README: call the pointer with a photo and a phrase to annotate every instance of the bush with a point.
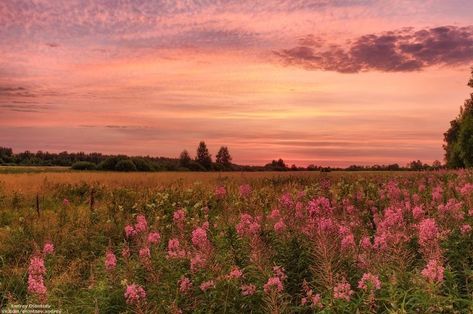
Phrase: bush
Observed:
(84, 165)
(143, 164)
(126, 165)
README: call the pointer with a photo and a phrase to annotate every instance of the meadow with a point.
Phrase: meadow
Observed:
(303, 242)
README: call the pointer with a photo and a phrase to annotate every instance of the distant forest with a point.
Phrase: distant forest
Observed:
(201, 162)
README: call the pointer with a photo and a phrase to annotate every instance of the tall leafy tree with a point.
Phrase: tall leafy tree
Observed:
(223, 157)
(184, 159)
(203, 156)
(459, 137)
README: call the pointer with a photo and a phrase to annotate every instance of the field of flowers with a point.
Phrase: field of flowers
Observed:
(289, 243)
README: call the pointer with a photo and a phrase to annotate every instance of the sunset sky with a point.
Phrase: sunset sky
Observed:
(324, 82)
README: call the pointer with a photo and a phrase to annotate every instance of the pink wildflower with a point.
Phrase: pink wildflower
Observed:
(279, 272)
(248, 226)
(110, 260)
(273, 283)
(37, 266)
(174, 249)
(141, 224)
(207, 285)
(417, 212)
(65, 202)
(428, 231)
(185, 284)
(433, 272)
(198, 261)
(310, 297)
(134, 294)
(369, 281)
(145, 254)
(248, 290)
(365, 243)
(220, 192)
(154, 237)
(48, 248)
(280, 226)
(343, 291)
(129, 231)
(199, 238)
(245, 190)
(348, 242)
(235, 273)
(36, 285)
(465, 229)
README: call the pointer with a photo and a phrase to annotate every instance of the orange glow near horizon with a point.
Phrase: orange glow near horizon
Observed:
(307, 81)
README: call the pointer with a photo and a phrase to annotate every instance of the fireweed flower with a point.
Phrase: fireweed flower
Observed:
(199, 238)
(286, 200)
(465, 229)
(235, 273)
(220, 192)
(48, 248)
(36, 272)
(348, 242)
(417, 212)
(273, 283)
(145, 253)
(207, 285)
(198, 261)
(248, 226)
(141, 224)
(110, 260)
(280, 226)
(179, 217)
(433, 272)
(65, 202)
(312, 299)
(275, 214)
(129, 231)
(247, 290)
(245, 190)
(343, 291)
(185, 284)
(154, 237)
(319, 206)
(134, 294)
(174, 249)
(369, 281)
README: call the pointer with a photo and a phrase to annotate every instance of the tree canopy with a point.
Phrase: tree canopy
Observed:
(459, 137)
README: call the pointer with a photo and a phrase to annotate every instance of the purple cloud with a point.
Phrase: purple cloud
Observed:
(395, 51)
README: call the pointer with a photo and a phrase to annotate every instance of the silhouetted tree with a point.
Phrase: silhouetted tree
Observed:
(276, 165)
(223, 157)
(203, 156)
(459, 137)
(184, 159)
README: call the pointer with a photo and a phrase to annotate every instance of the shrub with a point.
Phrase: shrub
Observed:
(84, 165)
(125, 165)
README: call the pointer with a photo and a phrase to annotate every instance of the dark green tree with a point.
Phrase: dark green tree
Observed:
(459, 137)
(203, 156)
(224, 158)
(184, 159)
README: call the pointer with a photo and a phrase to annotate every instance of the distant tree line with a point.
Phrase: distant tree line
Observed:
(202, 161)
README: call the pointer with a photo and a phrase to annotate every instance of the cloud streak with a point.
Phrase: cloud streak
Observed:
(403, 50)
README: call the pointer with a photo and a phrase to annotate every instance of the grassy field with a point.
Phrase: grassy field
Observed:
(302, 242)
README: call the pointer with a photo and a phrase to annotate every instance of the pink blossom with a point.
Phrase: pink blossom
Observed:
(310, 297)
(129, 231)
(275, 214)
(437, 194)
(273, 283)
(174, 250)
(199, 238)
(279, 272)
(36, 285)
(65, 202)
(37, 266)
(198, 261)
(185, 284)
(134, 294)
(248, 226)
(286, 200)
(343, 291)
(48, 248)
(433, 272)
(428, 231)
(145, 254)
(207, 285)
(280, 226)
(369, 281)
(154, 237)
(465, 229)
(417, 212)
(365, 243)
(247, 290)
(245, 190)
(220, 192)
(110, 260)
(466, 190)
(348, 242)
(319, 206)
(141, 224)
(235, 273)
